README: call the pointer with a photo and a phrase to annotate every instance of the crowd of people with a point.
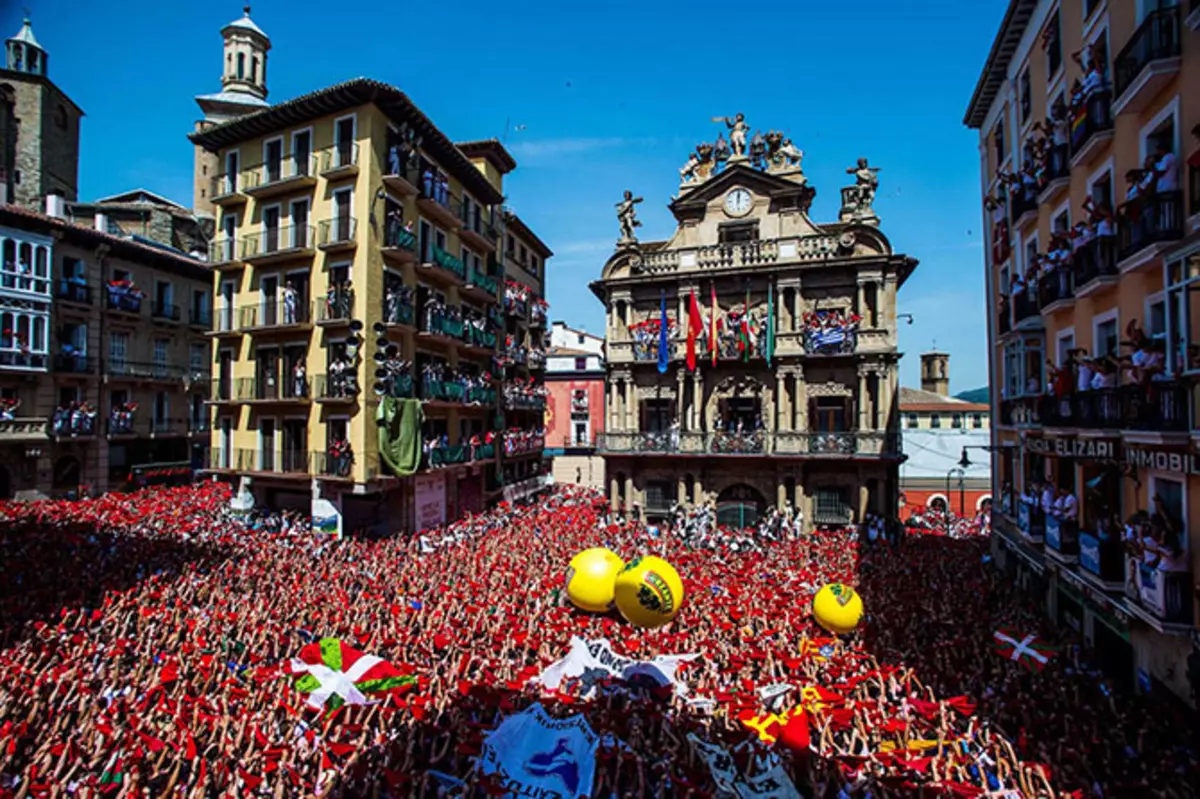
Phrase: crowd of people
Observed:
(830, 331)
(524, 394)
(145, 638)
(519, 441)
(74, 419)
(440, 381)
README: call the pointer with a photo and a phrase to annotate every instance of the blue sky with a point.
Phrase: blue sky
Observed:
(612, 95)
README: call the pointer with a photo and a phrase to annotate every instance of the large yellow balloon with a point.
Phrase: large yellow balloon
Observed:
(649, 592)
(590, 579)
(838, 608)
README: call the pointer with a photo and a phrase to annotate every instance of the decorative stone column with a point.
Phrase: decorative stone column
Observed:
(800, 409)
(614, 493)
(780, 408)
(682, 409)
(862, 398)
(697, 408)
(681, 490)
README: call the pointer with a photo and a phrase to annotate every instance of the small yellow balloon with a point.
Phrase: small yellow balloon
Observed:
(590, 578)
(838, 608)
(649, 592)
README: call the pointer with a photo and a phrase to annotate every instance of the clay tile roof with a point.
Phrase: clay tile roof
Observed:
(492, 150)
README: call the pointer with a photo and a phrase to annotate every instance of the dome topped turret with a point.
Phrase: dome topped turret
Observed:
(23, 53)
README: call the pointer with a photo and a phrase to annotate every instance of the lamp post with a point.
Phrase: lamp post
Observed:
(961, 488)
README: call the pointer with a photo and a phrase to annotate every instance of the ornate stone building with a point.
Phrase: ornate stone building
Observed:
(792, 401)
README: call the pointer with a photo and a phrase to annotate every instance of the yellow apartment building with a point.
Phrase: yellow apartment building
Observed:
(358, 264)
(1087, 113)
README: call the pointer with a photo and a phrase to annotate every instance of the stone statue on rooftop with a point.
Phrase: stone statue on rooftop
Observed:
(627, 217)
(791, 154)
(738, 129)
(687, 172)
(857, 199)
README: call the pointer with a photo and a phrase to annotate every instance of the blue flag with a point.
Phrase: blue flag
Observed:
(664, 356)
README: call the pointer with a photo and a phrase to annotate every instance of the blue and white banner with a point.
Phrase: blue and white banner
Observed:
(537, 755)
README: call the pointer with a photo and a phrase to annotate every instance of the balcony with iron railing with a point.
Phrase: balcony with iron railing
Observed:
(399, 244)
(438, 324)
(21, 358)
(72, 292)
(267, 389)
(286, 174)
(275, 315)
(200, 317)
(274, 244)
(524, 402)
(754, 443)
(337, 464)
(337, 234)
(437, 203)
(291, 462)
(226, 189)
(1094, 265)
(1026, 312)
(1022, 209)
(124, 426)
(447, 455)
(121, 298)
(479, 338)
(221, 390)
(338, 307)
(166, 427)
(1056, 289)
(1156, 219)
(199, 425)
(336, 388)
(481, 284)
(443, 391)
(399, 386)
(1057, 176)
(74, 364)
(475, 229)
(225, 254)
(225, 323)
(398, 311)
(339, 161)
(1092, 128)
(1148, 61)
(73, 422)
(443, 266)
(1159, 597)
(163, 372)
(165, 312)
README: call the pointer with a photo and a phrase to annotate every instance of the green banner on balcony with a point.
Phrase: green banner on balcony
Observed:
(399, 425)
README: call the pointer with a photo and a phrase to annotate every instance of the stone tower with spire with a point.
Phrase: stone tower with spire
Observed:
(39, 127)
(243, 91)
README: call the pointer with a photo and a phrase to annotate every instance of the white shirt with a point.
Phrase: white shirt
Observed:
(1083, 380)
(1092, 82)
(1069, 507)
(1047, 499)
(1168, 178)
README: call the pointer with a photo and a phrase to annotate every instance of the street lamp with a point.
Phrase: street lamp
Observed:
(961, 493)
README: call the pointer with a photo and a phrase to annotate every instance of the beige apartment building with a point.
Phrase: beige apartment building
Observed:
(1087, 113)
(792, 398)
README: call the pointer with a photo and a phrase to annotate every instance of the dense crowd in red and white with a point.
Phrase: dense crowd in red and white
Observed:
(144, 643)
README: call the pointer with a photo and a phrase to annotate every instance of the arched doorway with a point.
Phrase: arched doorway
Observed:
(740, 506)
(66, 473)
(937, 502)
(6, 486)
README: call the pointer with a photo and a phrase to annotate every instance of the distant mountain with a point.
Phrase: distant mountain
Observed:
(974, 395)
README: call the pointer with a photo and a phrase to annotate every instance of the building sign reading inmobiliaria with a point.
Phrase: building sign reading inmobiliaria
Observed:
(1090, 449)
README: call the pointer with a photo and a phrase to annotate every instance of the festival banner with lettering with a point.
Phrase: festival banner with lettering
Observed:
(534, 754)
(590, 662)
(770, 781)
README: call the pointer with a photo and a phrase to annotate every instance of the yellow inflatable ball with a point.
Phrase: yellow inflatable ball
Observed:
(590, 579)
(838, 608)
(649, 592)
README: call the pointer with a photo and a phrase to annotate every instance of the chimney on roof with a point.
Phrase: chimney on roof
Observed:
(101, 221)
(935, 373)
(56, 205)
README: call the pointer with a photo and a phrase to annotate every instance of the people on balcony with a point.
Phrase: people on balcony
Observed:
(516, 296)
(646, 336)
(830, 331)
(339, 300)
(437, 313)
(120, 418)
(291, 303)
(74, 419)
(397, 297)
(299, 379)
(8, 408)
(518, 441)
(394, 369)
(436, 373)
(341, 458)
(524, 394)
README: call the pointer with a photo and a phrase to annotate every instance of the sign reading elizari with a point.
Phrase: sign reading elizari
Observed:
(1157, 460)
